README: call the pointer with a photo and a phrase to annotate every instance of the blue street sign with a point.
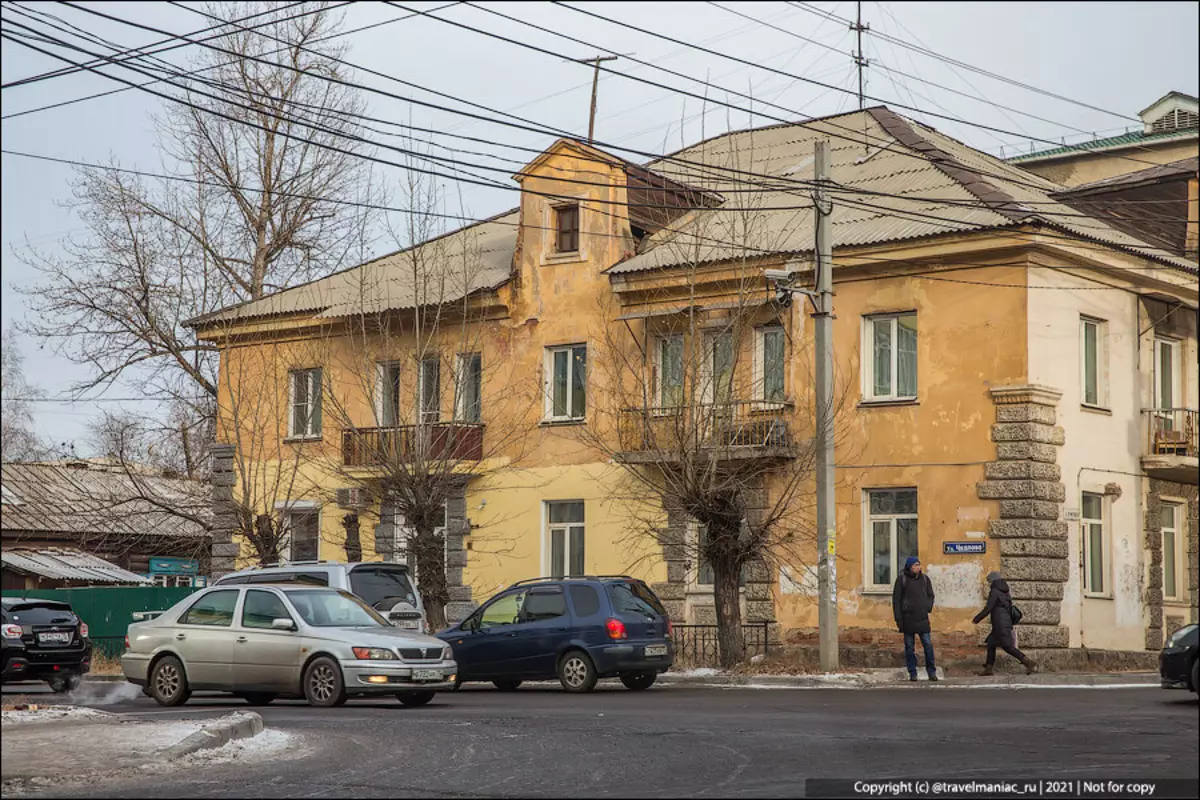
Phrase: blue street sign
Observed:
(963, 548)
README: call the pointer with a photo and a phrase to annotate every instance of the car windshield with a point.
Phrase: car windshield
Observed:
(382, 587)
(326, 609)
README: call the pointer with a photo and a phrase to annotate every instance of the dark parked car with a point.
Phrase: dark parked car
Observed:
(43, 640)
(575, 629)
(1177, 662)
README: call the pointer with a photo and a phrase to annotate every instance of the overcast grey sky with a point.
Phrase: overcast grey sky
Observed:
(1116, 56)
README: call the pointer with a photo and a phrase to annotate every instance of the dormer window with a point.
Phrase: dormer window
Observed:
(1175, 119)
(566, 227)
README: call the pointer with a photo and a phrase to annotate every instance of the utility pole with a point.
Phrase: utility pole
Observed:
(859, 59)
(826, 505)
(595, 85)
(822, 301)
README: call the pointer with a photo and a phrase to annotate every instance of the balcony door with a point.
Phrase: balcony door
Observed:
(1166, 383)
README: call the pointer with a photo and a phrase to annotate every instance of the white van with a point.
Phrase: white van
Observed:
(386, 587)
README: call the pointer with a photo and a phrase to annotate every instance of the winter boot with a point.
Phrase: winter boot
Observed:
(1030, 666)
(987, 670)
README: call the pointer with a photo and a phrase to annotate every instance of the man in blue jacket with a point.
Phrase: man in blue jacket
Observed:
(912, 600)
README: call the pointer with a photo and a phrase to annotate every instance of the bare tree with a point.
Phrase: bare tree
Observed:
(421, 377)
(258, 210)
(175, 446)
(18, 440)
(709, 410)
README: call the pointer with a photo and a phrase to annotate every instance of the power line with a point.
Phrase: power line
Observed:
(493, 184)
(719, 54)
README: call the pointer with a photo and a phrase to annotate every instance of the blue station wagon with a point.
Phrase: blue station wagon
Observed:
(578, 630)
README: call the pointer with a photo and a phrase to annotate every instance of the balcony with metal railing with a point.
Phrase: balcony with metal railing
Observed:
(374, 447)
(733, 430)
(1172, 444)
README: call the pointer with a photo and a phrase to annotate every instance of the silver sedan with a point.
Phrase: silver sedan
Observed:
(291, 640)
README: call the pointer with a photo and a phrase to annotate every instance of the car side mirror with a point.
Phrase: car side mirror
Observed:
(283, 624)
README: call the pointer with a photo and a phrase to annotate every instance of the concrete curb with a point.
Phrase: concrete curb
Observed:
(242, 725)
(899, 678)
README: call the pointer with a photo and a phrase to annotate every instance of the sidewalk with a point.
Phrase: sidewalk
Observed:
(60, 742)
(898, 678)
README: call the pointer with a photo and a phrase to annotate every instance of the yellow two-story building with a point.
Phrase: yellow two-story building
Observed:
(1016, 386)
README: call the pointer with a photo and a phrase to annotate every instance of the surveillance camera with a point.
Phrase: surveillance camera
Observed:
(779, 275)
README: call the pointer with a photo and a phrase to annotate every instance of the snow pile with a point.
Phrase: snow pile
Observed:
(267, 744)
(50, 714)
(702, 672)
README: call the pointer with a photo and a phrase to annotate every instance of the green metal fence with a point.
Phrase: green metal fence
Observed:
(108, 610)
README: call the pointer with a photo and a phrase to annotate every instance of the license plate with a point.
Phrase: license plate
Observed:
(54, 638)
(656, 650)
(426, 675)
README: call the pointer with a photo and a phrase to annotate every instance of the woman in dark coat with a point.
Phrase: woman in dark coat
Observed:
(912, 600)
(999, 608)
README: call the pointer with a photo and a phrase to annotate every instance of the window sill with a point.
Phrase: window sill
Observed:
(316, 437)
(1173, 602)
(1095, 409)
(552, 259)
(562, 423)
(1095, 596)
(770, 406)
(879, 591)
(910, 401)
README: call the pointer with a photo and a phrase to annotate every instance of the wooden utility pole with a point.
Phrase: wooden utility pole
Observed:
(595, 84)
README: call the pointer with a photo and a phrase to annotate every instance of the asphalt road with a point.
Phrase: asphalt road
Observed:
(690, 741)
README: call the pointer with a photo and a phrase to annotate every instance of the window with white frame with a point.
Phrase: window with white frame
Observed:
(1166, 379)
(301, 535)
(890, 365)
(566, 379)
(698, 533)
(565, 538)
(668, 372)
(1093, 361)
(387, 394)
(430, 389)
(1095, 544)
(468, 390)
(1170, 516)
(891, 528)
(769, 359)
(305, 403)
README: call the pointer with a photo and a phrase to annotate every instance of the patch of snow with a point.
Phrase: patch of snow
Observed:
(50, 714)
(267, 744)
(701, 672)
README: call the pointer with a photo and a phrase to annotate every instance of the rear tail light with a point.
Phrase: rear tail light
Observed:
(670, 628)
(127, 641)
(83, 629)
(616, 629)
(12, 631)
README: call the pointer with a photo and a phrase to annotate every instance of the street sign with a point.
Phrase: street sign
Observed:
(963, 548)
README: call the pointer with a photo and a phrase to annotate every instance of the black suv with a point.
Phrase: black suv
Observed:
(43, 640)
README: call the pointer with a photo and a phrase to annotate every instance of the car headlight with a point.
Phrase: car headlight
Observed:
(374, 654)
(448, 654)
(1176, 638)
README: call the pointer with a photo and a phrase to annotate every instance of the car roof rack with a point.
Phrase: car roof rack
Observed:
(278, 564)
(572, 578)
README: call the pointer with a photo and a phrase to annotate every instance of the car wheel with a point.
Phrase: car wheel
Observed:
(323, 683)
(168, 683)
(507, 685)
(414, 699)
(639, 681)
(576, 672)
(257, 698)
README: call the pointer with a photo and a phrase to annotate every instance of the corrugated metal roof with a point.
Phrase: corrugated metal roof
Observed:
(65, 564)
(1130, 138)
(89, 499)
(1185, 167)
(967, 190)
(468, 260)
